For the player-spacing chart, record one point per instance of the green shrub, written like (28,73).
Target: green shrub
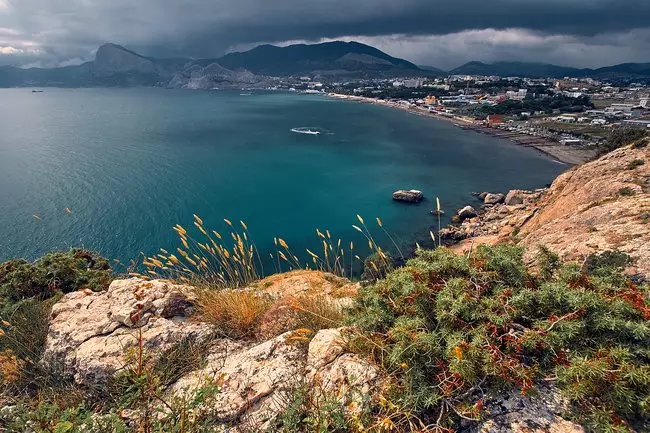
(376,267)
(55,272)
(444,325)
(622,136)
(635,163)
(626,192)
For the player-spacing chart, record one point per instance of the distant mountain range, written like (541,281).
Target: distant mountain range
(115,65)
(539,70)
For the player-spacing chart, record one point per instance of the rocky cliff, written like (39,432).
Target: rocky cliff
(599,206)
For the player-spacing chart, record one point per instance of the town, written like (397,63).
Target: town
(568,118)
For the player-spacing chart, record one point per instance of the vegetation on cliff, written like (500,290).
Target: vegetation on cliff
(444,330)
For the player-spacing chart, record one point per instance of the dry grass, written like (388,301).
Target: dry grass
(235,313)
(317,312)
(216,261)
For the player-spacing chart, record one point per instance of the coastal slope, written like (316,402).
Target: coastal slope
(603,205)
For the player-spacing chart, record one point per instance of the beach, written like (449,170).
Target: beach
(570,155)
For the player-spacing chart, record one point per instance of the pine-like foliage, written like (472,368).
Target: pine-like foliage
(445,326)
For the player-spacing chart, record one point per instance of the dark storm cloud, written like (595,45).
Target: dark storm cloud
(49,31)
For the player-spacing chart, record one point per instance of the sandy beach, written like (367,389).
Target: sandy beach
(571,155)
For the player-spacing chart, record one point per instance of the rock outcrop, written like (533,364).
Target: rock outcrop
(90,332)
(599,206)
(411,196)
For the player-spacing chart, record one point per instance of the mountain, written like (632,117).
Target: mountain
(624,69)
(326,58)
(114,65)
(541,70)
(517,69)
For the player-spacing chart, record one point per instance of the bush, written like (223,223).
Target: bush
(634,164)
(445,326)
(626,192)
(55,272)
(235,313)
(622,136)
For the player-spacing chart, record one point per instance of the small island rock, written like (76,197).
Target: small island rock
(412,196)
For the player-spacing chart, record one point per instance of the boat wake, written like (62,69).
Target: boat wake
(308,131)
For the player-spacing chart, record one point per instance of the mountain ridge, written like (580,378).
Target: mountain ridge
(116,65)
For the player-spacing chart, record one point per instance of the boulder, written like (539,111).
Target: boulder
(412,196)
(89,332)
(492,199)
(467,212)
(436,212)
(515,197)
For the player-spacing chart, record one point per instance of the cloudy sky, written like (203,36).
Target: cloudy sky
(442,33)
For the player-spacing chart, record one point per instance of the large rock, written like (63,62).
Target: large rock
(331,369)
(253,382)
(90,333)
(467,212)
(515,197)
(492,199)
(412,196)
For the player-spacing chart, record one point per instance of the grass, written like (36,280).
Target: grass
(235,313)
(215,261)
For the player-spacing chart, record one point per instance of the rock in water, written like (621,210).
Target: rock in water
(492,199)
(467,212)
(412,196)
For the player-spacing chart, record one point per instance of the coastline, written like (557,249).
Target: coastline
(560,153)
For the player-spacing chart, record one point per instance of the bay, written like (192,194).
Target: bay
(131,163)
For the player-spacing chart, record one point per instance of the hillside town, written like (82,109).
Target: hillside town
(567,118)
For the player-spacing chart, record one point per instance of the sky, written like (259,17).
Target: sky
(441,33)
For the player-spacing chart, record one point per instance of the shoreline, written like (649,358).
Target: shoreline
(559,153)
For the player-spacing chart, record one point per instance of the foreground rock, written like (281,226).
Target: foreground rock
(412,196)
(90,333)
(256,383)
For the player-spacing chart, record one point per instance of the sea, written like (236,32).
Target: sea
(113,170)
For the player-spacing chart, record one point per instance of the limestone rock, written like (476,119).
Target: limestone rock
(330,369)
(492,199)
(90,332)
(412,196)
(253,381)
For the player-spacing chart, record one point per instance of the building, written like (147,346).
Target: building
(566,119)
(414,83)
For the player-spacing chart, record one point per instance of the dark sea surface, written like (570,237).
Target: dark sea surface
(131,163)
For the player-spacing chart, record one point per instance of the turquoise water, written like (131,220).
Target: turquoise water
(131,163)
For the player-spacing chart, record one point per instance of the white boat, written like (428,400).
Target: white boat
(305,131)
